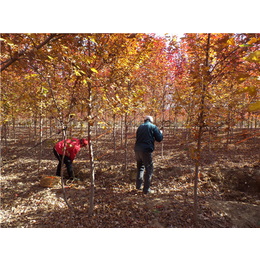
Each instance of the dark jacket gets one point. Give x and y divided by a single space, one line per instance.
146 134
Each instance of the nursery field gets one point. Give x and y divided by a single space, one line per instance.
228 189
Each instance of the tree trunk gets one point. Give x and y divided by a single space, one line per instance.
91 157
163 134
50 126
5 131
64 136
210 130
92 170
41 134
40 148
122 119
13 126
126 129
200 132
114 135
35 122
163 108
134 121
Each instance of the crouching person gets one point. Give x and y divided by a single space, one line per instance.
73 146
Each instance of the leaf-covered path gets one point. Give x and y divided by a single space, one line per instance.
229 189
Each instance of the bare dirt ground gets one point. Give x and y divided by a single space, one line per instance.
228 192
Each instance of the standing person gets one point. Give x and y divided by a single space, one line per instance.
146 134
72 148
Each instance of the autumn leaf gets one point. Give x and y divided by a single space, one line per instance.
253 57
253 40
77 73
7 41
89 60
242 77
231 41
254 107
94 70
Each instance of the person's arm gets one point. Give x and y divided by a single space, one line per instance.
74 150
158 134
68 145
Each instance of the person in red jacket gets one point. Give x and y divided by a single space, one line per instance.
72 148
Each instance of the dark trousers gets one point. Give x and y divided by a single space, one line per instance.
67 161
144 170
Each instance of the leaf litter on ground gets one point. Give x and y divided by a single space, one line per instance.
221 193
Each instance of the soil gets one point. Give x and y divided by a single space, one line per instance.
228 189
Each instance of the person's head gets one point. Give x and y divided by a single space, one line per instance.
83 142
149 118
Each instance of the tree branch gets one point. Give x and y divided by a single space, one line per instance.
22 53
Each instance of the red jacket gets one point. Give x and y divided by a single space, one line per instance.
72 147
